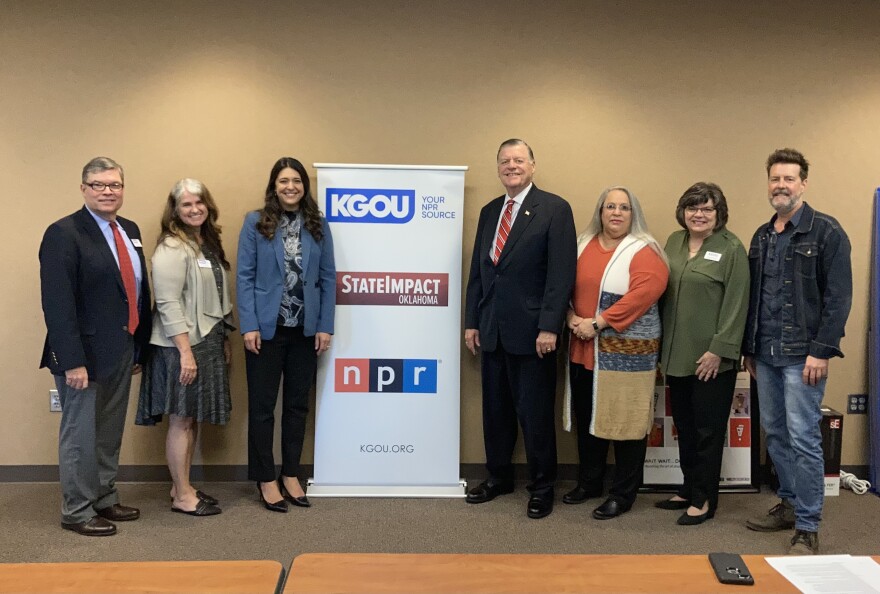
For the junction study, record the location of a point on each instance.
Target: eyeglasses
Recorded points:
(621, 207)
(706, 210)
(101, 186)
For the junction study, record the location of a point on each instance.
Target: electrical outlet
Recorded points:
(857, 404)
(54, 401)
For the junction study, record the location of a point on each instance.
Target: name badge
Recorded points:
(203, 263)
(136, 243)
(714, 256)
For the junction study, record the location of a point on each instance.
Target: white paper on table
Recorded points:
(829, 574)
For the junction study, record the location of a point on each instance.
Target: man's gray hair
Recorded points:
(99, 164)
(515, 142)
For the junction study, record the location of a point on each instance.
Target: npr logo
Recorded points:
(387, 376)
(350, 205)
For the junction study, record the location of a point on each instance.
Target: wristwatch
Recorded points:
(595, 325)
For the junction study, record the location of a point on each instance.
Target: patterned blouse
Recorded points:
(291, 312)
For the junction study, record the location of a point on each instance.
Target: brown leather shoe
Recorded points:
(120, 513)
(95, 526)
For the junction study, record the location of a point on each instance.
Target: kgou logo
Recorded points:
(388, 376)
(349, 205)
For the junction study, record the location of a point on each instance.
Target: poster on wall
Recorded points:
(388, 390)
(739, 463)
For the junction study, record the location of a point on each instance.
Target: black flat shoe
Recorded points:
(301, 501)
(686, 520)
(487, 491)
(205, 497)
(278, 506)
(203, 508)
(672, 504)
(579, 495)
(610, 509)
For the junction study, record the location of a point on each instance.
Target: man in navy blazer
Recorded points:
(96, 339)
(521, 278)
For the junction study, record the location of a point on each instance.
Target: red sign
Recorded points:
(392, 288)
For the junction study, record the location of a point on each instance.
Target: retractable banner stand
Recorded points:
(874, 355)
(387, 420)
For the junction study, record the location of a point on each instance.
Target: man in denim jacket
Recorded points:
(801, 293)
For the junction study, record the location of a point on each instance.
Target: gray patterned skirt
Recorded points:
(205, 400)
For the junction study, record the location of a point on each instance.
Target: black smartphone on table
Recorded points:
(731, 569)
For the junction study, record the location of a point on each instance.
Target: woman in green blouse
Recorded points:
(703, 315)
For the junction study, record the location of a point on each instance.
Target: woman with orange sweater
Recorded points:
(615, 339)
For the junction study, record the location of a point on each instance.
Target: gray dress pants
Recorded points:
(92, 421)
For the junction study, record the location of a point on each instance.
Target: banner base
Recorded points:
(416, 491)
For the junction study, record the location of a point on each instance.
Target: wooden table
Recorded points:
(239, 577)
(467, 574)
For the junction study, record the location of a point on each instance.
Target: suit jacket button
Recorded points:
(125, 328)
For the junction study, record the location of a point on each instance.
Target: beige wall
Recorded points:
(653, 98)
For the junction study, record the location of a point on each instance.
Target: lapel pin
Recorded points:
(528, 213)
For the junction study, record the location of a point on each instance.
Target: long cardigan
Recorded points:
(625, 362)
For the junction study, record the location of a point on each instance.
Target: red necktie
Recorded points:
(128, 281)
(503, 231)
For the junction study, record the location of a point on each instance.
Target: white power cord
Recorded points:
(854, 484)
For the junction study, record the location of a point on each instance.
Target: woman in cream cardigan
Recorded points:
(615, 338)
(186, 377)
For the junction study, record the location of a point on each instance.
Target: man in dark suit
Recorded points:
(96, 303)
(521, 278)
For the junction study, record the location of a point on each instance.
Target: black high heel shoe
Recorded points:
(302, 501)
(278, 506)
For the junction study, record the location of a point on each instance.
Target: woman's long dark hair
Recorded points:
(270, 214)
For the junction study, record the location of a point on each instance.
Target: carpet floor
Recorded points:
(31, 532)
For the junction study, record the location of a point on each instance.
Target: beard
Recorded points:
(789, 204)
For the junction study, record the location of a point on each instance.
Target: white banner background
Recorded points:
(393, 444)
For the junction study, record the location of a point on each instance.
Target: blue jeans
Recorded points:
(790, 418)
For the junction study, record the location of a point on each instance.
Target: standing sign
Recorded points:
(388, 420)
(739, 463)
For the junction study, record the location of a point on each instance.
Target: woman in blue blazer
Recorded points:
(286, 302)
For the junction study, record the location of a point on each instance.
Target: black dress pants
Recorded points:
(523, 388)
(292, 355)
(629, 455)
(700, 411)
